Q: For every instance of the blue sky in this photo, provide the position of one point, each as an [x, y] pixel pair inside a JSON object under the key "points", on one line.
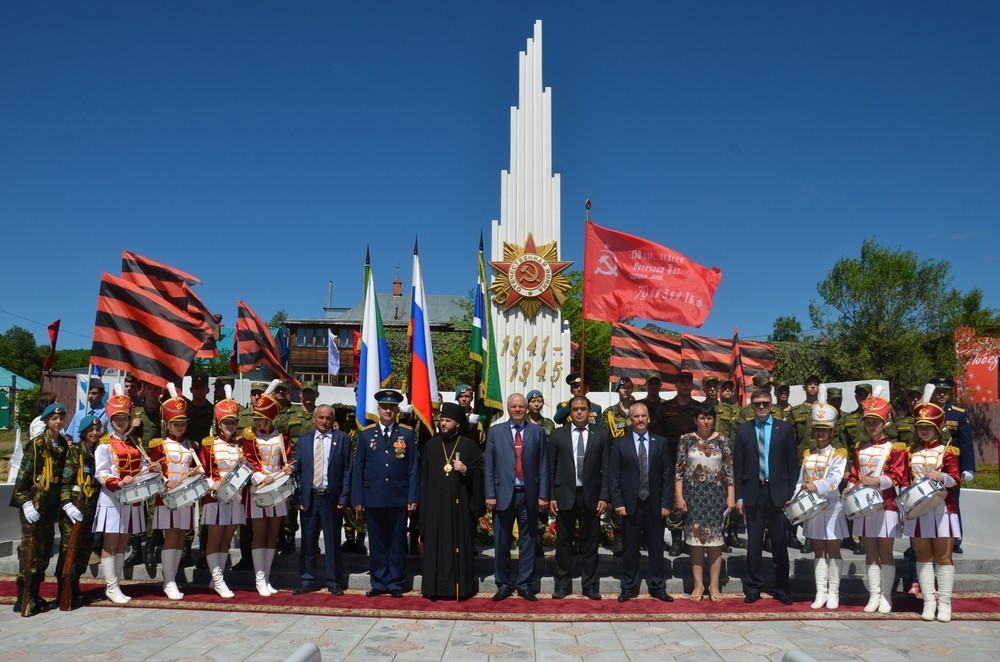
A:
{"points": [[262, 145]]}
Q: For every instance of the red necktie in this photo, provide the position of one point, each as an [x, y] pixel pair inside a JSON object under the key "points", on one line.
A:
{"points": [[517, 451]]}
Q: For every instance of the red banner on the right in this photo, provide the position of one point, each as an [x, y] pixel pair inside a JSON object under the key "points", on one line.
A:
{"points": [[978, 356], [627, 276]]}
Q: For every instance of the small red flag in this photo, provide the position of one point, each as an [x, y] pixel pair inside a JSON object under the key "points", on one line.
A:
{"points": [[627, 276], [53, 336]]}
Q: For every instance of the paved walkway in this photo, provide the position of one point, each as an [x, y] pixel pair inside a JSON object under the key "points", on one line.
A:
{"points": [[107, 634]]}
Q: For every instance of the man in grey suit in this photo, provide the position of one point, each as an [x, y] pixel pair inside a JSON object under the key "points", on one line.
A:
{"points": [[765, 468], [517, 487], [641, 482], [578, 454]]}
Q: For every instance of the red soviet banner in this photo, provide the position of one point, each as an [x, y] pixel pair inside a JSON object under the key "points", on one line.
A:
{"points": [[978, 356], [627, 276]]}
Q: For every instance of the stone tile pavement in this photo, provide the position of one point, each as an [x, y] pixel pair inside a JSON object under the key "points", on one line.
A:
{"points": [[108, 634]]}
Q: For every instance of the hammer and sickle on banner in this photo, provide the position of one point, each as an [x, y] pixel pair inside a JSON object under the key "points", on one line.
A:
{"points": [[610, 265]]}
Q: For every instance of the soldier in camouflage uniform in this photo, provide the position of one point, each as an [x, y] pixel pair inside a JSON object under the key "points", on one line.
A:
{"points": [[78, 497], [355, 526], [800, 415], [726, 390], [535, 403], [906, 430], [675, 418], [616, 421], [653, 400], [245, 420], [852, 425], [36, 495], [290, 422], [146, 426], [200, 411], [782, 391]]}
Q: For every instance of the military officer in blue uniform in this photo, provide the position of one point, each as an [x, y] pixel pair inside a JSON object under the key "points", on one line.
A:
{"points": [[384, 485], [957, 421], [577, 387]]}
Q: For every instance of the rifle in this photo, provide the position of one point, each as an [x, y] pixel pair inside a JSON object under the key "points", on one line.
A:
{"points": [[66, 587], [27, 554]]}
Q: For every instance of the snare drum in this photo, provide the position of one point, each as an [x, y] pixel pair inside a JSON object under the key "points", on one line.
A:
{"points": [[920, 498], [145, 486], [861, 501], [277, 492], [233, 483], [187, 493], [804, 506]]}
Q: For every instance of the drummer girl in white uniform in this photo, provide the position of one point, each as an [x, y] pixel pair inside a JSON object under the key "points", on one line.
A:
{"points": [[178, 457], [822, 470], [268, 452], [882, 466], [118, 459], [219, 456], [933, 533]]}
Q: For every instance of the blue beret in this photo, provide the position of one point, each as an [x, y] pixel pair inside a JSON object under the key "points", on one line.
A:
{"points": [[622, 382], [462, 388], [87, 422], [54, 408], [388, 397], [535, 394]]}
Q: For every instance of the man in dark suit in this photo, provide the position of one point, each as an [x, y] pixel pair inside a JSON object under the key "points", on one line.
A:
{"points": [[765, 468], [385, 484], [578, 456], [322, 473], [517, 487], [641, 483]]}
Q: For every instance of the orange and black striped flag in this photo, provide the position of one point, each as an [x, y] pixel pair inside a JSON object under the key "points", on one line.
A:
{"points": [[255, 346], [636, 353], [716, 357], [175, 286], [138, 331]]}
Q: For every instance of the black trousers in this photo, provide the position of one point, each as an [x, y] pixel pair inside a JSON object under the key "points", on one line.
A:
{"points": [[644, 524], [566, 521], [760, 514]]}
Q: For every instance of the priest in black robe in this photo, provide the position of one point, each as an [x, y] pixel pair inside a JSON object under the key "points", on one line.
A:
{"points": [[452, 500]]}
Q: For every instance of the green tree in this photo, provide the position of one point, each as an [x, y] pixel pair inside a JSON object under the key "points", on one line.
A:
{"points": [[786, 328], [888, 314], [278, 319], [21, 355]]}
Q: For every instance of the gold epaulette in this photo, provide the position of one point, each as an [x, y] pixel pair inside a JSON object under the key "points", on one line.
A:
{"points": [[404, 426], [208, 440], [249, 435], [367, 427], [899, 445], [105, 439], [840, 452], [153, 443], [958, 409], [953, 449]]}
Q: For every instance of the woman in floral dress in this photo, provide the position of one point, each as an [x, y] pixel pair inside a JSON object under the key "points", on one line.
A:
{"points": [[703, 488]]}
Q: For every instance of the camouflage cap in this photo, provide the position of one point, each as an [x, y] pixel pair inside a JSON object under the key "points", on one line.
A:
{"points": [[258, 386], [761, 380], [834, 392], [225, 381], [282, 383], [709, 381], [310, 386], [864, 386]]}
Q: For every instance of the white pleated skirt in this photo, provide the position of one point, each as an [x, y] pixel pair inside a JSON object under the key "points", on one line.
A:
{"points": [[182, 518], [113, 517], [216, 513], [880, 524], [938, 523], [831, 525], [256, 512]]}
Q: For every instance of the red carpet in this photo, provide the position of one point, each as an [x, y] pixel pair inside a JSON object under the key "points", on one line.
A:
{"points": [[966, 606]]}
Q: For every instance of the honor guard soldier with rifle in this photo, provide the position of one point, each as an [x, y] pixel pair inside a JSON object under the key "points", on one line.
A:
{"points": [[78, 497]]}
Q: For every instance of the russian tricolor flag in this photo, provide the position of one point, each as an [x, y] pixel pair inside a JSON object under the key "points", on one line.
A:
{"points": [[375, 367], [423, 380]]}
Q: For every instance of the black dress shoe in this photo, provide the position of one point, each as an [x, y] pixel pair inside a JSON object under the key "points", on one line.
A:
{"points": [[503, 594], [527, 594], [592, 594], [751, 598], [559, 594], [957, 549], [783, 598], [336, 590], [396, 593], [726, 548], [662, 596], [305, 588], [374, 593], [859, 548], [625, 596]]}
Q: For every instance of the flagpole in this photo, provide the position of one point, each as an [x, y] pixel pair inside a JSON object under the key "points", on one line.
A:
{"points": [[583, 299]]}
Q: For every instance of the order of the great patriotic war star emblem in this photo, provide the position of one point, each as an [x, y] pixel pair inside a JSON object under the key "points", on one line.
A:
{"points": [[530, 277]]}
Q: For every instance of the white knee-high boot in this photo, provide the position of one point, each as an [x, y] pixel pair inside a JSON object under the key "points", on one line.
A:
{"points": [[833, 582], [945, 582], [874, 574], [268, 561], [216, 566], [171, 560], [260, 575], [821, 572], [111, 579], [925, 578], [888, 579]]}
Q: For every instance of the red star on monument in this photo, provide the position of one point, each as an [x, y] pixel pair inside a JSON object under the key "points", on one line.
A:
{"points": [[529, 277]]}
